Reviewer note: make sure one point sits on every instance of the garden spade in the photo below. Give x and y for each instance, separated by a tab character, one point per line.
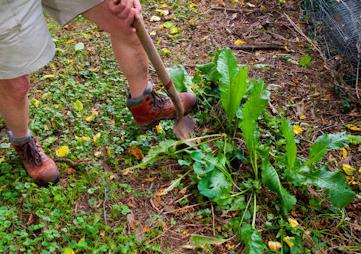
185	125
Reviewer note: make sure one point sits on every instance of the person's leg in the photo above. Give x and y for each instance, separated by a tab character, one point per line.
128	51
14	105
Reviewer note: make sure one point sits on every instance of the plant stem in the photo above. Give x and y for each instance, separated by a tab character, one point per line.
245	210
254	210
255	165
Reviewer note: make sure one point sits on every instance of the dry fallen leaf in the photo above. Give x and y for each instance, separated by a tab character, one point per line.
289	241
274	246
293	223
353	127
297	129
349	170
136	153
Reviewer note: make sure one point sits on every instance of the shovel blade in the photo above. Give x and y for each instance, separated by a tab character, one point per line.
184	128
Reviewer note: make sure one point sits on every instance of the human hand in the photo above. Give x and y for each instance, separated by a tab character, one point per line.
126	10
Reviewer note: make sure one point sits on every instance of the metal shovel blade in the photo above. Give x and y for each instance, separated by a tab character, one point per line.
184	127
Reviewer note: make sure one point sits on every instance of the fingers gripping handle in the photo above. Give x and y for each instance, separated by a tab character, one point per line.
158	64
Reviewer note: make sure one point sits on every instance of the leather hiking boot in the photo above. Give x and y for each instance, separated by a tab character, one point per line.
39	166
150	108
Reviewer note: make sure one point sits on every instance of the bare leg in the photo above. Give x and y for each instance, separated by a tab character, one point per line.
130	55
14	104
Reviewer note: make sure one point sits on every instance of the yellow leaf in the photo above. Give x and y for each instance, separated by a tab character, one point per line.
62	151
353	127
136	152
302	117
68	250
240	42
70	41
344	152
230	246
159	129
274	246
36	103
96	137
289	241
297	129
153	33
92	116
349	170
49	76
82	139
102	233
98	154
293	223
166	51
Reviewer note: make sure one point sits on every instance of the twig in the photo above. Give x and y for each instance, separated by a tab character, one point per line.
183	208
232	10
160	235
261	46
213	220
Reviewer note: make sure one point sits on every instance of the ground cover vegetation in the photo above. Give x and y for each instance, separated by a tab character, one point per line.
259	180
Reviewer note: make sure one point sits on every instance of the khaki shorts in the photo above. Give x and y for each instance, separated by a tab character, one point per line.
25	42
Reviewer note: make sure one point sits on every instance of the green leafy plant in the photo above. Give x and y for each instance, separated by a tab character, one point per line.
276	170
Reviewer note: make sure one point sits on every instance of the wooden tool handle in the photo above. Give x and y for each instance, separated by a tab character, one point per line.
158	64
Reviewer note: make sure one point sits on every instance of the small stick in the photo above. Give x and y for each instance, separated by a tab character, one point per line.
183	208
254	47
213	221
231	10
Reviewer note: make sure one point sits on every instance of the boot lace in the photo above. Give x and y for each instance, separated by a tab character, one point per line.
158	101
31	152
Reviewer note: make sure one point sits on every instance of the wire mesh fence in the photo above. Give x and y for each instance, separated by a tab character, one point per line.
337	26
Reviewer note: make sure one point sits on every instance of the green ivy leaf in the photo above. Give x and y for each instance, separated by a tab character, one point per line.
272	181
291	148
180	78
324	144
252	239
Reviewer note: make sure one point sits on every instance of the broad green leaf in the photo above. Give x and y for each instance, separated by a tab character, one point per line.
180	77
201	241
272	181
252	109
355	139
210	70
164	147
291	149
232	95
335	185
252	239
214	184
324	144
227	67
